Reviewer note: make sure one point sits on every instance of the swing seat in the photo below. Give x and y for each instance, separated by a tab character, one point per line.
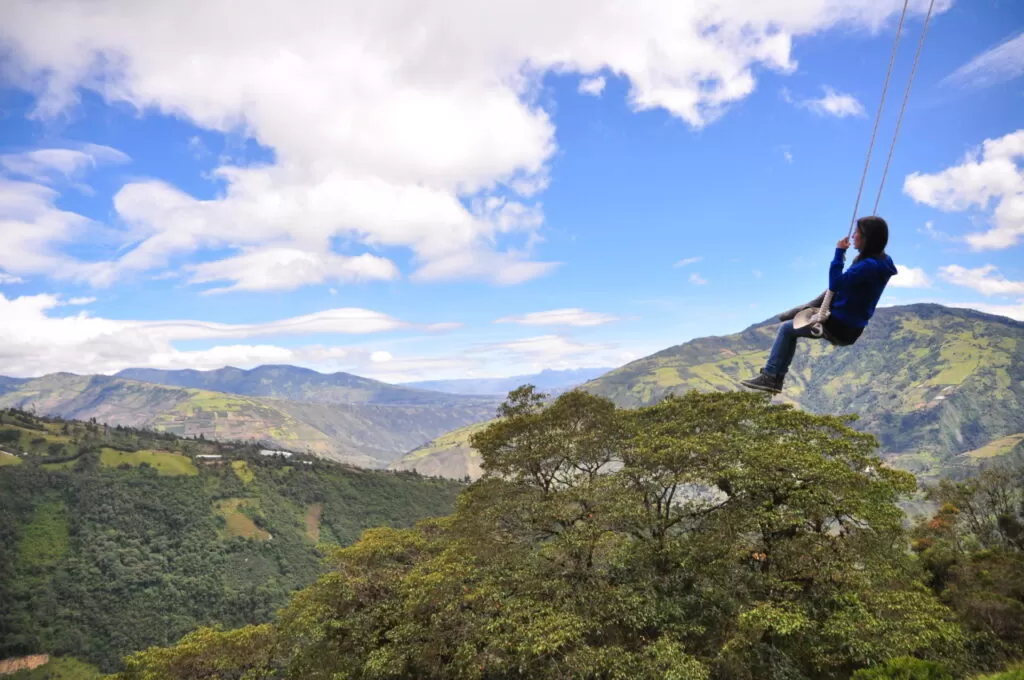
804	318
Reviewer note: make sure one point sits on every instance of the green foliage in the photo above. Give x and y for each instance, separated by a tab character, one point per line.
1013	674
99	561
973	550
905	668
708	536
208	654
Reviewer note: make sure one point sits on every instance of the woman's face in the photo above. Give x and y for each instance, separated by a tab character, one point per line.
858	239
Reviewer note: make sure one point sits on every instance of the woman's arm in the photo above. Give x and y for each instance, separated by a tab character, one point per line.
837	279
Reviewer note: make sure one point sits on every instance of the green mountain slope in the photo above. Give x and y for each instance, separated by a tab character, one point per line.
450	455
365	435
932	383
114	539
299	384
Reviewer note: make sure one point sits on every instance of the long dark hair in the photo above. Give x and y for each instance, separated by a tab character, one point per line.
875	236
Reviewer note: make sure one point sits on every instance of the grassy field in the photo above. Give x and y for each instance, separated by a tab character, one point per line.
998	447
455	438
241	469
9	459
238	524
166	463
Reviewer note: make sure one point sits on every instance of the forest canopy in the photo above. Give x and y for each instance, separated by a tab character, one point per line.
707	536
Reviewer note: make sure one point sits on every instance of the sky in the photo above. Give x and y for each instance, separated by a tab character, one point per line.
415	190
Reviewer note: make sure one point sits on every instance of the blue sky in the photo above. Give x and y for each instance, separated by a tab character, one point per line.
434	190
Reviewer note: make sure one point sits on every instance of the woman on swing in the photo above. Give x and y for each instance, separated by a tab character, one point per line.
856	292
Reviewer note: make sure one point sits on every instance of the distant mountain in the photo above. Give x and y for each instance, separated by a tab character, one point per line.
294	383
369	435
550	381
939	387
9	384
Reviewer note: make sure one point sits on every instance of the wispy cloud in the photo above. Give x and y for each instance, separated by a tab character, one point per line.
685	262
832	103
41	164
697	280
592	86
560	317
986	280
996	65
10	278
931	232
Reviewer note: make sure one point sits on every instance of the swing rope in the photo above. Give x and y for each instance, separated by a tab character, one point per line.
819	317
878	117
903	107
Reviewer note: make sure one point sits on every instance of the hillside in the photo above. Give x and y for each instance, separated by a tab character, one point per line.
369	435
709	536
114	539
550	381
934	384
450	455
299	384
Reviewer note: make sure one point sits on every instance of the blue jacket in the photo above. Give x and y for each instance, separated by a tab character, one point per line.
858	288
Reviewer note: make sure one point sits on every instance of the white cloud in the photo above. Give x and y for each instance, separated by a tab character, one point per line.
997	65
560	317
31	227
688	261
788	156
39	165
33	341
697	279
500	268
383	117
832	103
910	277
931	232
757	273
986	280
9	279
1012	311
592	86
986	175
443	326
80	301
289	268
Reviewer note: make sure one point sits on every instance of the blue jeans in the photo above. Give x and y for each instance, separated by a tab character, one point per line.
784	349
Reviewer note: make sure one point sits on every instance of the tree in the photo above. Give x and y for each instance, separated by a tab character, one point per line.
973	549
710	535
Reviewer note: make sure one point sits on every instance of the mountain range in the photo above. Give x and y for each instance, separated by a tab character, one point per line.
549	381
340	416
939	387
